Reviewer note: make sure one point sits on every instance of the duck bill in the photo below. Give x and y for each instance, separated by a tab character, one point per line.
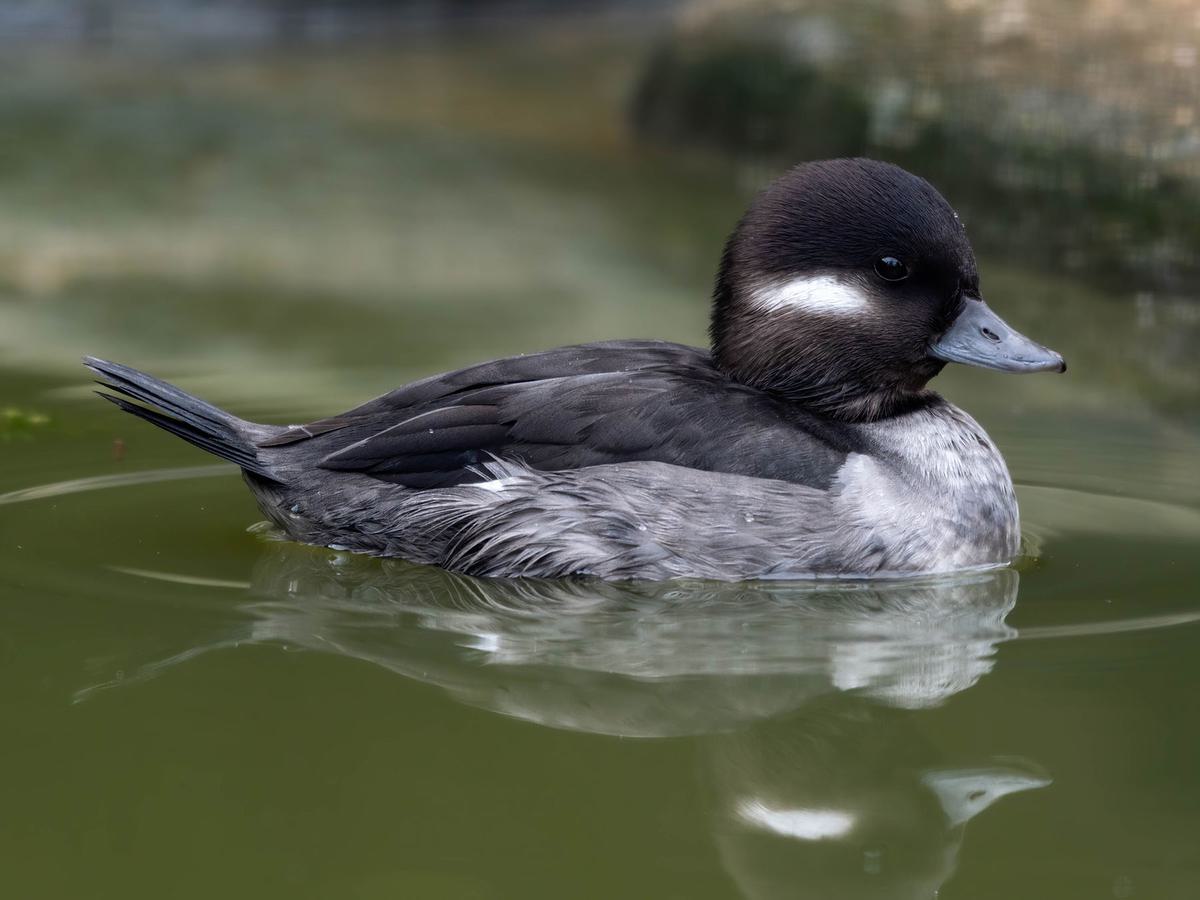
979	337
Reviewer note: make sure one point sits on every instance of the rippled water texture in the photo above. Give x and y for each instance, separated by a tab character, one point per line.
197	709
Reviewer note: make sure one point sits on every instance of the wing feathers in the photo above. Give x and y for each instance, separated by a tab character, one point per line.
572	408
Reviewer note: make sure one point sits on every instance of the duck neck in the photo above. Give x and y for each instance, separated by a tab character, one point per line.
831	388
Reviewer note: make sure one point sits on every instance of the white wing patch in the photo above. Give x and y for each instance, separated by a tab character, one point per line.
812	293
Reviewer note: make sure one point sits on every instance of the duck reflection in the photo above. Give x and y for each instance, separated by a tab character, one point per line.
638	659
798	693
846	800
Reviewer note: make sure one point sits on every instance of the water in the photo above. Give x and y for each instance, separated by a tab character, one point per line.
195	708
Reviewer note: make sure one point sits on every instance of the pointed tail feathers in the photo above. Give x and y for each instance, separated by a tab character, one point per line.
178	412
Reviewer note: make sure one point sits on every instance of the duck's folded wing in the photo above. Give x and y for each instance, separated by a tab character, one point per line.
570	408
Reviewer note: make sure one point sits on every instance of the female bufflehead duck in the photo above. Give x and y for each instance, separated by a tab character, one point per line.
804	443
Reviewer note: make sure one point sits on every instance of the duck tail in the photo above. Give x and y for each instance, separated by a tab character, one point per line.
178	412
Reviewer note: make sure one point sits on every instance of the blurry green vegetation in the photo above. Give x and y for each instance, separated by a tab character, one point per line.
348	208
748	99
1052	201
305	227
23	423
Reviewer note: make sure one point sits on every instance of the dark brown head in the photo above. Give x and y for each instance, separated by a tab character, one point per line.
847	285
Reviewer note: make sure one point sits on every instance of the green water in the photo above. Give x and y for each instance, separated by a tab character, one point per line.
195	710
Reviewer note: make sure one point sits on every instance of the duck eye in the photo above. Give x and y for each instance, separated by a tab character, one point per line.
890	269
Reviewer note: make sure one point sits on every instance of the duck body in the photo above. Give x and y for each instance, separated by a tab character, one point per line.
803	444
633	459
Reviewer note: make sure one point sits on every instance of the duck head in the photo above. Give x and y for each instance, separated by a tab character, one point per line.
848	285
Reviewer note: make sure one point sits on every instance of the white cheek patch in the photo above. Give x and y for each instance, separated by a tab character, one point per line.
801	824
812	293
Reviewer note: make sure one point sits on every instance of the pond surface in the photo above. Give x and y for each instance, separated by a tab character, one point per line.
198	710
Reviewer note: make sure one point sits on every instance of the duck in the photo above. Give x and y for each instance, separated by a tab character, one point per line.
804	442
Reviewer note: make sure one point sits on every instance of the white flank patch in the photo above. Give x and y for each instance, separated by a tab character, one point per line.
495	486
802	824
486	641
812	293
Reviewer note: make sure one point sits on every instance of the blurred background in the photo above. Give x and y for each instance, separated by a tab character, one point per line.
306	201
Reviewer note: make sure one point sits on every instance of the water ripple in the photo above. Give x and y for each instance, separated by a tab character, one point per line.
101	482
